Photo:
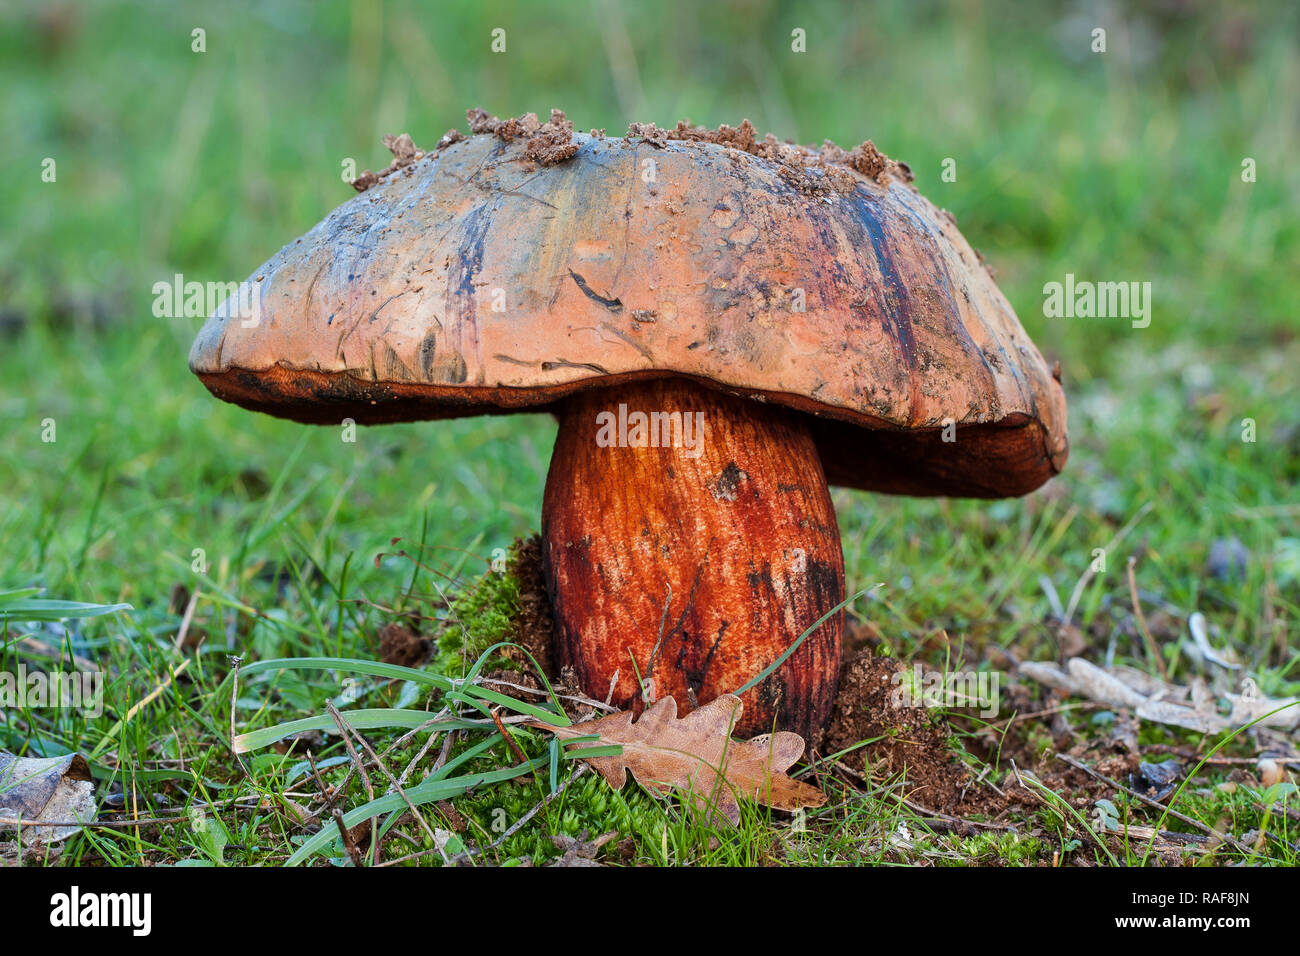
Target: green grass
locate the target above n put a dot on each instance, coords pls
(1124, 166)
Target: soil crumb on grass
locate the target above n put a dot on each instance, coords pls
(401, 645)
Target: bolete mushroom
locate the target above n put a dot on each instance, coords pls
(721, 324)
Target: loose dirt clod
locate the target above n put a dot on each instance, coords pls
(908, 740)
(404, 151)
(548, 143)
(400, 645)
(553, 143)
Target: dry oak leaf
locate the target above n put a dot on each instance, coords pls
(696, 755)
(45, 794)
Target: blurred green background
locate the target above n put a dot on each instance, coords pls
(1117, 166)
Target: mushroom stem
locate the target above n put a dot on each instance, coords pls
(689, 536)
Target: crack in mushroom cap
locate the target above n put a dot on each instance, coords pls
(480, 282)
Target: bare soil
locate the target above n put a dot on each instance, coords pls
(401, 645)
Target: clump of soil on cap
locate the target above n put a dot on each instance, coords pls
(548, 143)
(405, 153)
(818, 170)
(814, 171)
(797, 162)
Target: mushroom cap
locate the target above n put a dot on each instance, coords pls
(476, 282)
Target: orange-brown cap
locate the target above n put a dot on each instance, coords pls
(478, 281)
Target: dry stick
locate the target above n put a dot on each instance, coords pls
(42, 649)
(237, 803)
(613, 682)
(365, 777)
(1293, 847)
(501, 729)
(172, 674)
(420, 755)
(586, 701)
(1142, 621)
(1193, 841)
(1190, 821)
(392, 780)
(1285, 811)
(401, 741)
(110, 824)
(1219, 761)
(445, 752)
(348, 843)
(234, 696)
(468, 855)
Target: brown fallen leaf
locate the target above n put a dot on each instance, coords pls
(696, 755)
(1192, 707)
(36, 790)
(579, 851)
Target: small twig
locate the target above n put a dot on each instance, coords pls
(234, 697)
(1187, 754)
(42, 649)
(501, 729)
(398, 787)
(1196, 842)
(1190, 821)
(585, 701)
(1288, 812)
(613, 682)
(1152, 649)
(361, 769)
(468, 855)
(112, 824)
(446, 751)
(348, 843)
(420, 755)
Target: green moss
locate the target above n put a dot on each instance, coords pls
(588, 804)
(484, 615)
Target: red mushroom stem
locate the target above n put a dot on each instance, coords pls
(733, 529)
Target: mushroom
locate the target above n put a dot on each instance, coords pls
(719, 333)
